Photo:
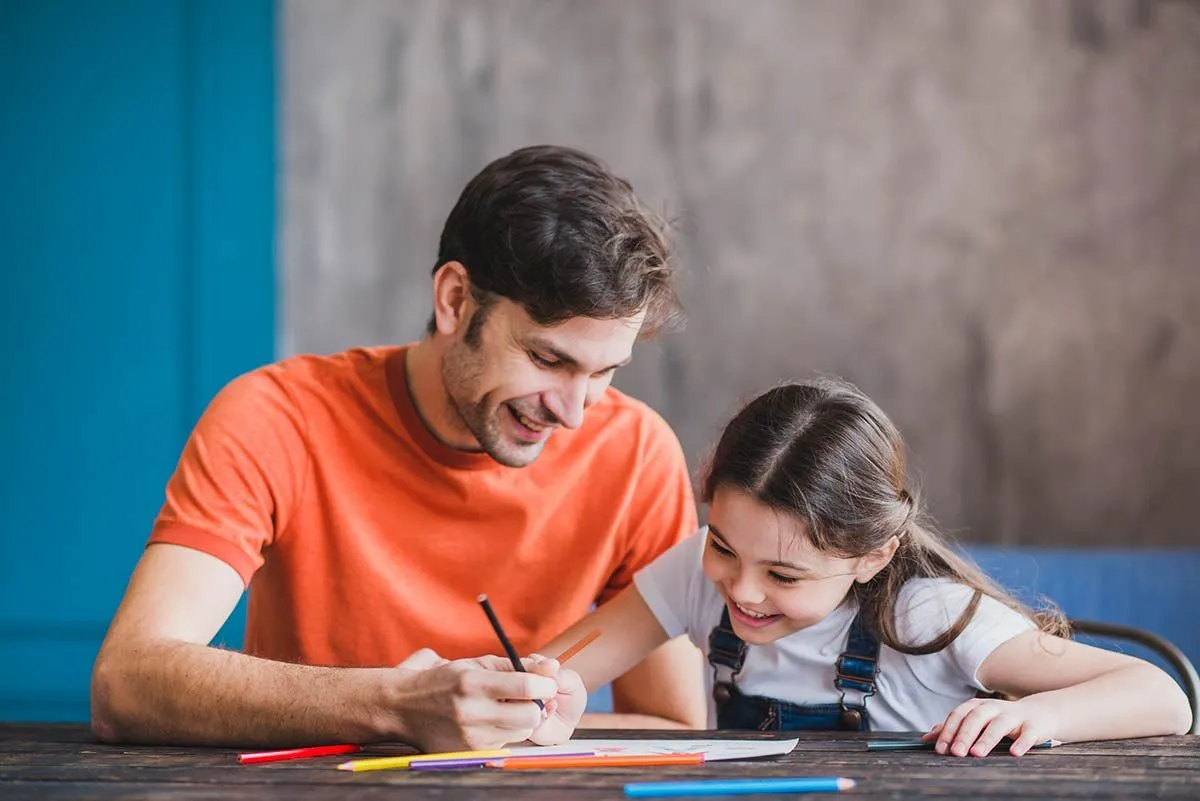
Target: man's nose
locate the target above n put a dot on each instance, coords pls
(568, 403)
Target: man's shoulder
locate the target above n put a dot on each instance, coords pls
(321, 368)
(287, 388)
(302, 375)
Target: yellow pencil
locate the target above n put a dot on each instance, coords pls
(402, 762)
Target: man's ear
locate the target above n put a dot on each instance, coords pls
(870, 565)
(452, 300)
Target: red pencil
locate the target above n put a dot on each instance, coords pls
(257, 757)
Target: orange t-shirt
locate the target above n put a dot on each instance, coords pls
(363, 538)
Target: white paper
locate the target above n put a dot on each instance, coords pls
(713, 750)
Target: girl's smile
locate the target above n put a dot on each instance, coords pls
(749, 617)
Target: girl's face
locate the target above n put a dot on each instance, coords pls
(772, 578)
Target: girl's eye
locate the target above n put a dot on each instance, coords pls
(719, 548)
(779, 578)
(542, 362)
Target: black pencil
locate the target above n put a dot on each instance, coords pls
(504, 641)
(929, 745)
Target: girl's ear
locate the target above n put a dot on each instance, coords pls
(876, 560)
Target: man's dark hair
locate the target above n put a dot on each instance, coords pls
(552, 229)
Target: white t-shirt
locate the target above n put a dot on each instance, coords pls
(913, 692)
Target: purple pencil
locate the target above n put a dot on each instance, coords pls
(477, 762)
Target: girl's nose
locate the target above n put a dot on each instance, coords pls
(744, 590)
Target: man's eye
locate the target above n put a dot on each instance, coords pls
(542, 362)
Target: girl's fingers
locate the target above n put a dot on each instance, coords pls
(950, 728)
(970, 728)
(1000, 727)
(1028, 739)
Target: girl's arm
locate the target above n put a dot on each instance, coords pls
(1068, 691)
(629, 632)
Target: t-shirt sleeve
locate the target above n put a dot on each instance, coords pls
(669, 585)
(663, 509)
(239, 477)
(928, 607)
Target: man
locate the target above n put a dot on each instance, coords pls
(372, 495)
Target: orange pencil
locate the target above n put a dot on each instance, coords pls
(583, 642)
(573, 763)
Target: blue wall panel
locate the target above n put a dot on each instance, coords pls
(137, 146)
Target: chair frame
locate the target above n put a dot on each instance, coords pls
(1164, 648)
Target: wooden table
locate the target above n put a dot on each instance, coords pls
(56, 762)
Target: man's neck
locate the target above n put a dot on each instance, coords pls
(423, 374)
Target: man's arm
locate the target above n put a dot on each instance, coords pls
(664, 691)
(157, 681)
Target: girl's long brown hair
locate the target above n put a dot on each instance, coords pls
(823, 452)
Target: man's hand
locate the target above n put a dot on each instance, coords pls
(423, 660)
(473, 704)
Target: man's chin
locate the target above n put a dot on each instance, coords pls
(514, 454)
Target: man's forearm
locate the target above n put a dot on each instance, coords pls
(184, 693)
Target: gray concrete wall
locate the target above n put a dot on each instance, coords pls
(985, 213)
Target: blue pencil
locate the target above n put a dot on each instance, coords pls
(736, 787)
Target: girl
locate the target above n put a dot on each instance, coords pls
(821, 601)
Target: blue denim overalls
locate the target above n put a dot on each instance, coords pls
(855, 670)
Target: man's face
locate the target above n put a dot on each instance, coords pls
(521, 380)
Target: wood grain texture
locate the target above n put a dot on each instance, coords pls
(65, 762)
(984, 215)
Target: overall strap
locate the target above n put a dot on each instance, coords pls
(727, 654)
(856, 667)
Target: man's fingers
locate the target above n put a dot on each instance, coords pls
(508, 716)
(507, 686)
(488, 662)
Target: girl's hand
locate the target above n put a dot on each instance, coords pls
(977, 726)
(564, 710)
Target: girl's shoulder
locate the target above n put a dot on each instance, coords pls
(927, 607)
(919, 593)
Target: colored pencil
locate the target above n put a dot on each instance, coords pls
(259, 757)
(736, 787)
(478, 762)
(575, 763)
(928, 745)
(583, 642)
(505, 642)
(405, 762)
